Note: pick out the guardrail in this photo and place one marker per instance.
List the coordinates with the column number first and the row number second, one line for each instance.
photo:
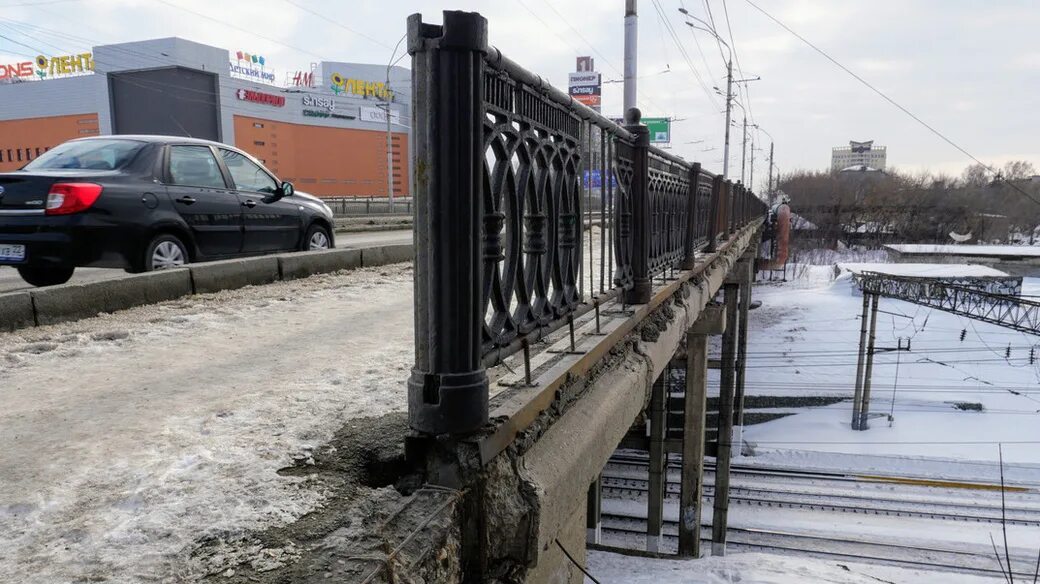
column 362, row 206
column 501, row 158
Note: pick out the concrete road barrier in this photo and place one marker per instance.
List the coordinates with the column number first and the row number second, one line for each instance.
column 56, row 304
column 68, row 302
column 302, row 265
column 232, row 274
column 16, row 311
column 387, row 254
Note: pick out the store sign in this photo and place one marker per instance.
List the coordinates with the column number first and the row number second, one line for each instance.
column 375, row 114
column 585, row 85
column 301, row 79
column 64, row 65
column 860, row 147
column 14, row 70
column 319, row 101
column 660, row 129
column 261, row 97
column 250, row 73
column 340, row 84
column 318, row 113
column 250, row 66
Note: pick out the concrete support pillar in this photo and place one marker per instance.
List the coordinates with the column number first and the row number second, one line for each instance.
column 722, row 460
column 745, row 268
column 658, row 466
column 594, row 512
column 711, row 321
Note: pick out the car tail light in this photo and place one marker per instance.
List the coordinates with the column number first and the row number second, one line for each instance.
column 66, row 198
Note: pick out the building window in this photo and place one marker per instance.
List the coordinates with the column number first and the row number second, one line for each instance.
column 10, row 157
column 28, row 154
column 19, row 151
column 37, row 151
column 1, row 155
column 257, row 125
column 259, row 143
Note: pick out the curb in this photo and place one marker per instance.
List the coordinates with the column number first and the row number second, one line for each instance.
column 70, row 302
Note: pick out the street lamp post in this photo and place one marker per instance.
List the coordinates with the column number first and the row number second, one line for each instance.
column 389, row 133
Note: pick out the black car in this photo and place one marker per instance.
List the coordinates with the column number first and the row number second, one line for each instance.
column 144, row 203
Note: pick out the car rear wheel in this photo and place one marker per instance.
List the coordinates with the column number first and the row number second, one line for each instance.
column 164, row 252
column 45, row 276
column 317, row 239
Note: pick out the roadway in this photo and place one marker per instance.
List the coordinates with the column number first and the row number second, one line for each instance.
column 134, row 439
column 10, row 281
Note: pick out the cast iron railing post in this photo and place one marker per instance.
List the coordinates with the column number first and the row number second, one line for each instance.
column 448, row 388
column 717, row 186
column 641, row 228
column 692, row 223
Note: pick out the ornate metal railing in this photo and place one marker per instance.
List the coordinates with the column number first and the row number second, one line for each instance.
column 531, row 209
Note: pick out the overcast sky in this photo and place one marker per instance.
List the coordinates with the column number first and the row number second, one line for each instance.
column 969, row 68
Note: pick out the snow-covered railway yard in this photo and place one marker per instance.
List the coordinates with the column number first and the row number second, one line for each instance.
column 146, row 445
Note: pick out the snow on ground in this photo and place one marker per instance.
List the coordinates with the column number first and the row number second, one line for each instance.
column 757, row 568
column 804, row 341
column 131, row 436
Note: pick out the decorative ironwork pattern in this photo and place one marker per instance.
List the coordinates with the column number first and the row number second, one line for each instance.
column 1001, row 309
column 532, row 203
column 701, row 215
column 669, row 193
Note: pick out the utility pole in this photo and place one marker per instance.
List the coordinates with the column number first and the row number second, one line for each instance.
column 858, row 393
column 864, row 408
column 751, row 174
column 770, row 191
column 743, row 151
column 631, row 64
column 729, row 108
column 389, row 134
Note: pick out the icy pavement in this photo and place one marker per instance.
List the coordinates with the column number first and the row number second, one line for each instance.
column 130, row 437
column 758, row 568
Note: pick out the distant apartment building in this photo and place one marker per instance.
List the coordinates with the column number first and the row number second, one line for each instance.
column 858, row 154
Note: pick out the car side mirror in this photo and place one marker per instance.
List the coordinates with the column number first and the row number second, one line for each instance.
column 286, row 189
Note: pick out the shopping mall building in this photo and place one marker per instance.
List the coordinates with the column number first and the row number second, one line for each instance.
column 324, row 128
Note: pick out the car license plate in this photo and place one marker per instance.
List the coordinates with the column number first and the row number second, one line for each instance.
column 12, row 253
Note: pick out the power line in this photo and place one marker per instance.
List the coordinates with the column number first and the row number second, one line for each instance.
column 684, row 53
column 890, row 100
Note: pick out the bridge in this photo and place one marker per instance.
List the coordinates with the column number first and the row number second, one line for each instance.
column 544, row 316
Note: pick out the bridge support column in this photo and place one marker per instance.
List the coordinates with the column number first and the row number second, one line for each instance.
column 745, row 271
column 594, row 511
column 658, row 464
column 695, row 405
column 720, row 518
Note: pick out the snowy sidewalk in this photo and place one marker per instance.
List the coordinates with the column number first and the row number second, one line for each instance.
column 129, row 438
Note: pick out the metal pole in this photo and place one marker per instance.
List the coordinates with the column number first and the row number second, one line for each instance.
column 631, row 51
column 864, row 410
column 641, row 286
column 751, row 173
column 729, row 107
column 720, row 517
column 857, row 396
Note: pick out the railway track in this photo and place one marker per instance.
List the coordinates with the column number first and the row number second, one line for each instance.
column 632, row 530
column 636, row 489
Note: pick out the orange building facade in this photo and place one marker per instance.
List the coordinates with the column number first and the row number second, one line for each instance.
column 325, row 161
column 23, row 140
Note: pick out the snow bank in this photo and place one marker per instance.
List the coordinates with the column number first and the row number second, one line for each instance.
column 970, row 250
column 925, row 270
